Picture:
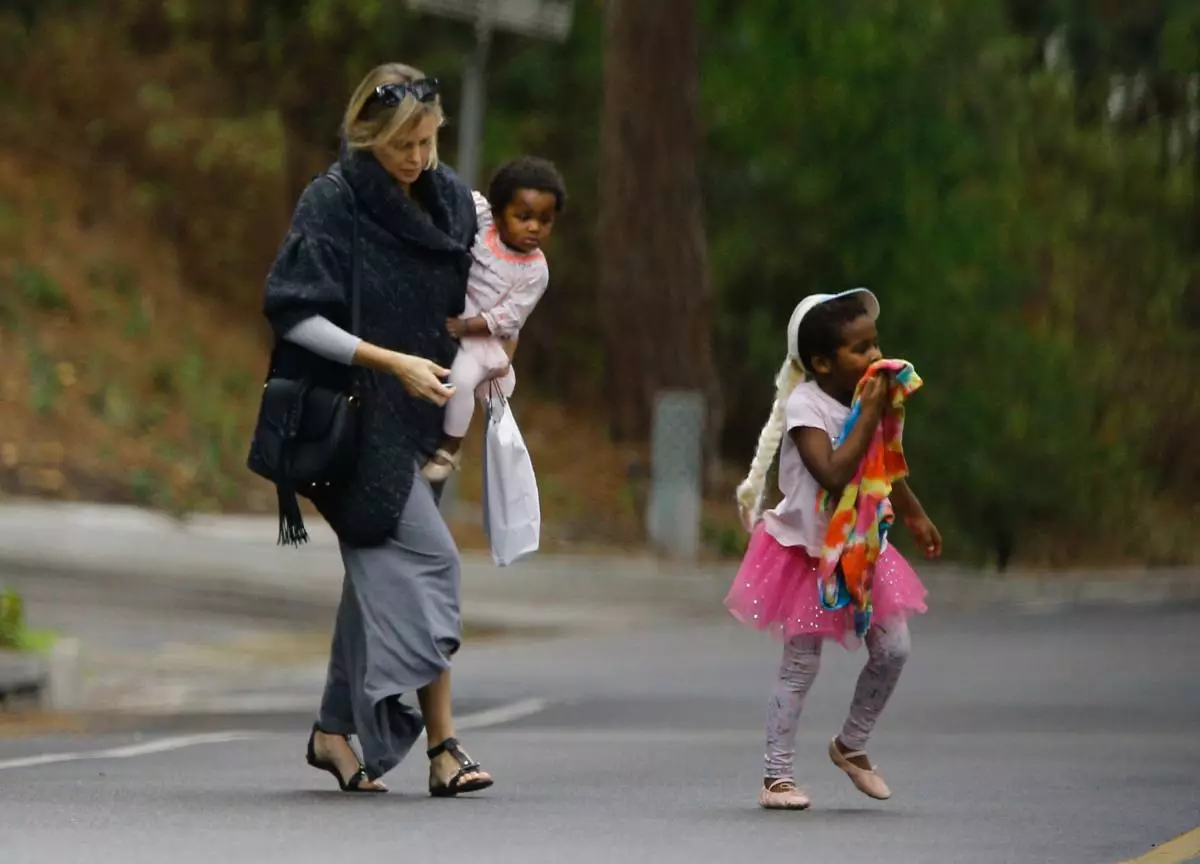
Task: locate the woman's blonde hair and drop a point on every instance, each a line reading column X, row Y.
column 366, row 129
column 750, row 491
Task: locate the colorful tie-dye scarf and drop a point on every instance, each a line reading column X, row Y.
column 863, row 516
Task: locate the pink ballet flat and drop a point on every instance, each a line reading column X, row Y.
column 435, row 471
column 867, row 782
column 782, row 794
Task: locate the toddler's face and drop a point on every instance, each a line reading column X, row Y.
column 859, row 349
column 527, row 220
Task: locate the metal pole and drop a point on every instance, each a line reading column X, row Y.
column 673, row 514
column 474, row 97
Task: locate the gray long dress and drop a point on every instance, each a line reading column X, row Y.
column 397, row 626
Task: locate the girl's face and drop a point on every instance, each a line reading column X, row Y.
column 527, row 220
column 408, row 152
column 858, row 350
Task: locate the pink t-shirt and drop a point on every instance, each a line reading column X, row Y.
column 796, row 521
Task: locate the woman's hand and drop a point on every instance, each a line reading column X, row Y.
column 421, row 378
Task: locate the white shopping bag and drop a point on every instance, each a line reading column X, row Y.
column 512, row 514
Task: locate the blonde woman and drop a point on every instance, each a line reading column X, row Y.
column 388, row 210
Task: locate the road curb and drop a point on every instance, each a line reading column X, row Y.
column 231, row 564
column 1052, row 590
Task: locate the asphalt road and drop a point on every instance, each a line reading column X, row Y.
column 1022, row 739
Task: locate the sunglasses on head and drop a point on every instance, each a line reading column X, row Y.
column 391, row 95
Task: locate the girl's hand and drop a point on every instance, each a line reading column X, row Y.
column 460, row 327
column 874, row 396
column 926, row 534
column 498, row 373
column 421, row 378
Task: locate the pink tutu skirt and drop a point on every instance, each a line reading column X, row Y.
column 776, row 590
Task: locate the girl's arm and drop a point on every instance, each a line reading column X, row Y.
column 483, row 210
column 475, row 326
column 913, row 515
column 833, row 469
column 507, row 317
column 905, row 502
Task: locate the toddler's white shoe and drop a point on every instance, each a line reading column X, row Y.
column 441, row 466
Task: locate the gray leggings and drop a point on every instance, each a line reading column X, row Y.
column 888, row 646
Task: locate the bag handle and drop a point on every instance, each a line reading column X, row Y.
column 496, row 394
column 355, row 303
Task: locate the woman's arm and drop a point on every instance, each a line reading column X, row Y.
column 420, row 377
column 325, row 339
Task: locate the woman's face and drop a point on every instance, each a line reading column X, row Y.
column 407, row 154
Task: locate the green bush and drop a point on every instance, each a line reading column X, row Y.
column 12, row 619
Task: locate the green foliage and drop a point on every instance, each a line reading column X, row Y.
column 12, row 619
column 901, row 146
column 39, row 288
column 15, row 634
column 44, row 387
column 1037, row 265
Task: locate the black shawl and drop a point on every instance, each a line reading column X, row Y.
column 413, row 276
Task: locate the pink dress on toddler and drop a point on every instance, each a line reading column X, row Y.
column 503, row 288
column 775, row 589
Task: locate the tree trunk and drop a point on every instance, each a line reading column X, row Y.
column 656, row 297
column 1188, row 114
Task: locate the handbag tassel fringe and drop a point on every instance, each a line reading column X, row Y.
column 291, row 521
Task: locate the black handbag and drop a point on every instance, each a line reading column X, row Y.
column 306, row 437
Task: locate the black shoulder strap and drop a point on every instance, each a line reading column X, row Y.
column 355, row 311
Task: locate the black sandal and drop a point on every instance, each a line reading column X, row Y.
column 357, row 779
column 455, row 785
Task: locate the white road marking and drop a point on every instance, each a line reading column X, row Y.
column 161, row 745
column 502, row 714
column 479, row 720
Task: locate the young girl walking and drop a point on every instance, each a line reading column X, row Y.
column 508, row 276
column 806, row 584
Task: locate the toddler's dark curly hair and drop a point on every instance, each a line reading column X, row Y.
column 526, row 172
